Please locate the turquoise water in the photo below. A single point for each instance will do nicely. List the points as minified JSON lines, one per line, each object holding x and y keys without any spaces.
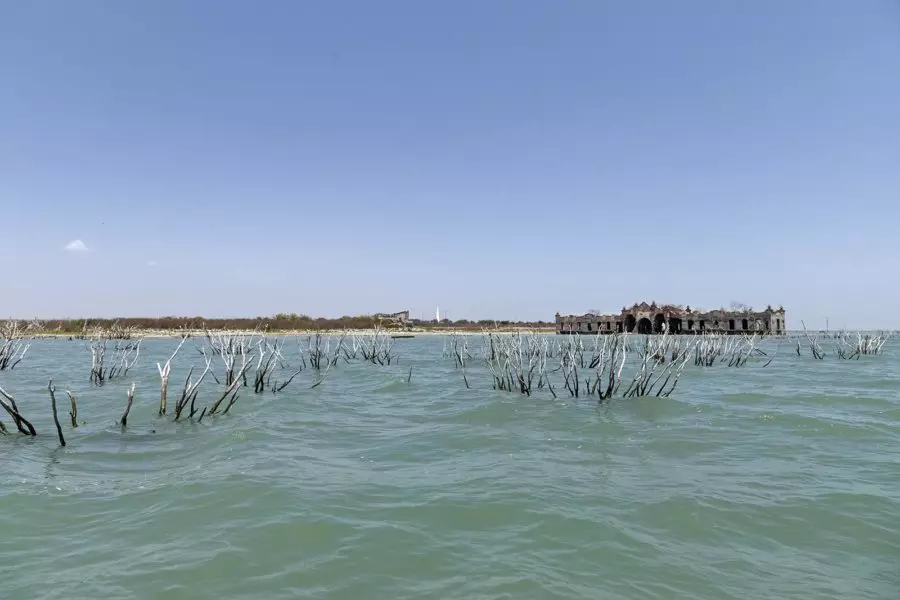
{"x":777,"y":482}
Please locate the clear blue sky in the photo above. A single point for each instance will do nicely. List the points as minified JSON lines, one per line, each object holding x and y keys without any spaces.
{"x":500,"y":159}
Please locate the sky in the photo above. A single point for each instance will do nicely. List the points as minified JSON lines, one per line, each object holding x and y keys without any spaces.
{"x":498,"y":159}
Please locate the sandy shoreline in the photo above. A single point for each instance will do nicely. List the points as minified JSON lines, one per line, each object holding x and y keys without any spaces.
{"x":162,"y":334}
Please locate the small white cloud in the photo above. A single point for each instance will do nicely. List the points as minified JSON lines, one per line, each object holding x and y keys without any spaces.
{"x":75,"y":246}
{"x":152,"y":263}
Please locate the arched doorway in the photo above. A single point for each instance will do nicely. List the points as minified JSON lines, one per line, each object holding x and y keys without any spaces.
{"x":630,"y":323}
{"x":674,"y":325}
{"x":659,"y":323}
{"x":644,"y":326}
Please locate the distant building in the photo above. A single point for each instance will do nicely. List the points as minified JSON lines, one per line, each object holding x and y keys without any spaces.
{"x":398,"y":319}
{"x":651,"y":318}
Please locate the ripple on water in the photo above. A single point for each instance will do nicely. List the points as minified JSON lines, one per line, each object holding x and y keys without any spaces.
{"x":781,"y":482}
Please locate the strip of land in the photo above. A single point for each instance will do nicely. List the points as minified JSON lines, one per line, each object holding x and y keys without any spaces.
{"x":281,"y":324}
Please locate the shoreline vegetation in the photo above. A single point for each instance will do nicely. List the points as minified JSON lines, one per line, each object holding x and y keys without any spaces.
{"x":284,"y":325}
{"x":279,"y":324}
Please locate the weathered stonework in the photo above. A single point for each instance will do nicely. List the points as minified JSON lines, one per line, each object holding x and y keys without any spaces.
{"x":397,"y":319}
{"x":650,"y":318}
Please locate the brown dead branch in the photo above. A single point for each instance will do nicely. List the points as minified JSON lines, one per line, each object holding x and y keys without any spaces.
{"x":189,"y":392}
{"x":231,"y":390}
{"x":124,"y":420}
{"x":9,"y":405}
{"x":73,"y":412}
{"x":52,"y":389}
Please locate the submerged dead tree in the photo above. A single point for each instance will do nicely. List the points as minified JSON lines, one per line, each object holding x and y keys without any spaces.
{"x":814,"y":348}
{"x":732,"y":350}
{"x":457,"y":347}
{"x":229,"y":342}
{"x":607,"y":361}
{"x":231,"y":392}
{"x":9,"y":405}
{"x":269,"y":358}
{"x":124,"y":420}
{"x":666,"y":373}
{"x":517,"y":362}
{"x":376,"y":347}
{"x":73,"y":411}
{"x":124,"y":356}
{"x":98,"y":355}
{"x":571,"y":359}
{"x":59,"y":433}
{"x":317,"y":350}
{"x":849,"y":347}
{"x":189,"y":392}
{"x":12,"y":345}
{"x":164,"y":372}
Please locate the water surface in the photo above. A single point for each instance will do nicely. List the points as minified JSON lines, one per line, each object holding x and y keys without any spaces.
{"x":778,"y":482}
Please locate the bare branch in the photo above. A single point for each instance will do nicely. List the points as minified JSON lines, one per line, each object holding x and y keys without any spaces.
{"x":52,"y":389}
{"x":124,"y":420}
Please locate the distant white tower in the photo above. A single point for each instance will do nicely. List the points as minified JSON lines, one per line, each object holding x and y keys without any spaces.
{"x":437,"y":314}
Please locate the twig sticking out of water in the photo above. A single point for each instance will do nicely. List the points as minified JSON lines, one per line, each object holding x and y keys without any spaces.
{"x":125,"y":354}
{"x":73,"y":412}
{"x":13,"y":347}
{"x":316,"y":352}
{"x":644,"y":383}
{"x":124,"y":420}
{"x":608,"y":360}
{"x":514,"y":361}
{"x":708,"y":349}
{"x":744,"y":349}
{"x":847,"y":347}
{"x":189,"y":392}
{"x":268,"y":355}
{"x":457,"y":346}
{"x":231,"y":389}
{"x":52,"y":390}
{"x":321,"y":378}
{"x":731,"y":349}
{"x":229,"y":355}
{"x":9,"y":405}
{"x":571,"y":356}
{"x":774,"y":354}
{"x":330,"y":361}
{"x":277,"y":387}
{"x":376,"y":347}
{"x":871,"y":343}
{"x":98,"y":354}
{"x":228,"y":346}
{"x":164,"y":372}
{"x":814,"y":346}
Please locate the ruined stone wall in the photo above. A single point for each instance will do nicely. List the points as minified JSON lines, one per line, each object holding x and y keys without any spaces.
{"x":643,"y":319}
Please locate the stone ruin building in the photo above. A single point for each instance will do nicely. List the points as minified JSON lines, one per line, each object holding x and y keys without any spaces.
{"x":646,"y":318}
{"x":397,"y":319}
